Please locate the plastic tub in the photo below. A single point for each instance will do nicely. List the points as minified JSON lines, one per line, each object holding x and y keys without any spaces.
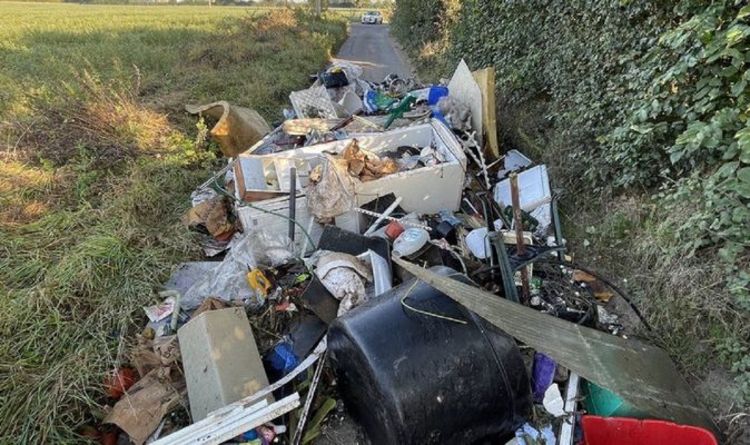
{"x":410,"y":378}
{"x":625,"y":431}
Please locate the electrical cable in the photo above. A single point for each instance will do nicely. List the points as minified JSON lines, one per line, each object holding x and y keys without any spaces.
{"x":226,"y":193}
{"x":610,"y":284}
{"x":534,"y":258}
{"x":423,"y":312}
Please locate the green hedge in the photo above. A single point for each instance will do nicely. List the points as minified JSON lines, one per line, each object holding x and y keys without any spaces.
{"x":619,"y":96}
{"x":622,"y":94}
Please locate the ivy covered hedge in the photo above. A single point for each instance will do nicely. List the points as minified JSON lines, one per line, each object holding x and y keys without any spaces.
{"x":619,"y":96}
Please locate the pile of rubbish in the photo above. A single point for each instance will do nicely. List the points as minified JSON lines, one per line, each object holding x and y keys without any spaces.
{"x":379,"y":271}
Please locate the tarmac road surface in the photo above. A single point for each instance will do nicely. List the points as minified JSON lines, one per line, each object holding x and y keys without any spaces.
{"x":372,"y":48}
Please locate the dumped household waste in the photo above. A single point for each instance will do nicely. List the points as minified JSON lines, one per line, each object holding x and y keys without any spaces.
{"x":380,"y":270}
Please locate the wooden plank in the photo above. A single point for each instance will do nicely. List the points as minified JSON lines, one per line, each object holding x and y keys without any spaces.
{"x":643,"y":375}
{"x":485,"y":78}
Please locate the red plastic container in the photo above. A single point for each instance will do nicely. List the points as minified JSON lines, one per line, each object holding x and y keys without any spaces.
{"x":624,"y":431}
{"x":393,"y":230}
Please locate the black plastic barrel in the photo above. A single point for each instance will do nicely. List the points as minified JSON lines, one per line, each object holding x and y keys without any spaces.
{"x":410,"y":378}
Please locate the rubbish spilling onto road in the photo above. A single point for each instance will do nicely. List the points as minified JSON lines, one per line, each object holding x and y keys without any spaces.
{"x":379,"y":259}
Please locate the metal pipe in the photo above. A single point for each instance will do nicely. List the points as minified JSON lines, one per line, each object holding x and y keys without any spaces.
{"x":383,"y":216}
{"x":292,"y":201}
{"x":518,"y":226}
{"x":509,"y":283}
{"x":557,"y":224}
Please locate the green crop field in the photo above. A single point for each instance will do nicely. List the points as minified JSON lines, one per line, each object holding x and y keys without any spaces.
{"x":97,"y":160}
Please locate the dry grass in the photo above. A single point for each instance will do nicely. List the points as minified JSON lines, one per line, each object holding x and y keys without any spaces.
{"x":97,"y":161}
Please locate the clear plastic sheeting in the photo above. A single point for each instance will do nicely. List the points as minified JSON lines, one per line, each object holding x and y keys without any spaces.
{"x":227,"y":280}
{"x":270,"y":248}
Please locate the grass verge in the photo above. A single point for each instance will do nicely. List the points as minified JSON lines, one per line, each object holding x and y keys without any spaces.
{"x":97,"y":163}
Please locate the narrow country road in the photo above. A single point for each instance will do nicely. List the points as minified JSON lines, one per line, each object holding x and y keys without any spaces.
{"x":372,"y":48}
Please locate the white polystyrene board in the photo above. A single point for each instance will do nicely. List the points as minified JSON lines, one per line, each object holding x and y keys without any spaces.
{"x":254,"y":219}
{"x":282,"y":169}
{"x":465,"y":89}
{"x":514,"y":160}
{"x":534,"y":194}
{"x":424,"y":190}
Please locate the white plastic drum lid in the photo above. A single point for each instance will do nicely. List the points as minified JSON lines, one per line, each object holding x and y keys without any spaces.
{"x":409,"y":242}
